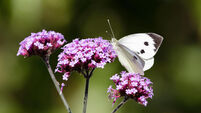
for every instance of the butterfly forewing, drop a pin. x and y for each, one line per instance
(130, 60)
(157, 40)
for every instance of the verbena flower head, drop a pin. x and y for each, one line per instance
(132, 86)
(41, 43)
(84, 55)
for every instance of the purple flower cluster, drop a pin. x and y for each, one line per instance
(84, 55)
(41, 43)
(131, 85)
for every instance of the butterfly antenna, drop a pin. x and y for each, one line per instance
(110, 28)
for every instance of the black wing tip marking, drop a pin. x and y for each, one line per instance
(157, 39)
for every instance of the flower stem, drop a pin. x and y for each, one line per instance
(86, 95)
(56, 83)
(121, 104)
(87, 77)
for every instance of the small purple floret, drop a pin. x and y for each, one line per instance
(84, 55)
(41, 43)
(131, 85)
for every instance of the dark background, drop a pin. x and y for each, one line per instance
(25, 86)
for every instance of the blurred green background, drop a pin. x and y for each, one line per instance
(25, 86)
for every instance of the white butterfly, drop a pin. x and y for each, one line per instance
(136, 51)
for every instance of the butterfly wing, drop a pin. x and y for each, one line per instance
(129, 59)
(144, 44)
(148, 64)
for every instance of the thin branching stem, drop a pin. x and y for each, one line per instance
(56, 83)
(87, 77)
(121, 104)
(91, 72)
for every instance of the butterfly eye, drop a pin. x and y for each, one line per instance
(146, 43)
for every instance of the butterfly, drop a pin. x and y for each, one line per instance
(136, 51)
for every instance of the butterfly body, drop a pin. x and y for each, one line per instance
(136, 51)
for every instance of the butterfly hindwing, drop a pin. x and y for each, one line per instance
(148, 64)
